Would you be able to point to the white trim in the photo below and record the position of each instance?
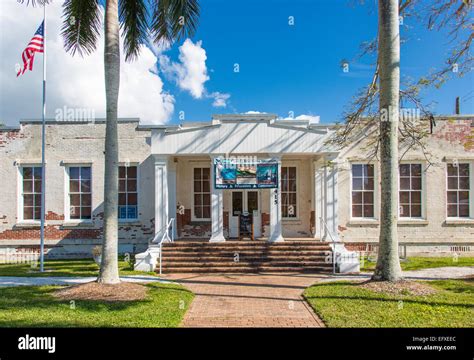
(298, 187)
(376, 192)
(454, 219)
(67, 214)
(423, 191)
(201, 166)
(244, 199)
(20, 201)
(136, 219)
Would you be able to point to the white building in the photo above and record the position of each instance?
(167, 172)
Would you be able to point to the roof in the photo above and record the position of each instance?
(78, 121)
(218, 119)
(215, 121)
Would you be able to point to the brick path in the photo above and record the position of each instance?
(248, 300)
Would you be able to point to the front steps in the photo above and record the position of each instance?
(246, 257)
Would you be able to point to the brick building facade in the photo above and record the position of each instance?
(167, 173)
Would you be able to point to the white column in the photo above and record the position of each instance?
(319, 203)
(331, 216)
(217, 208)
(172, 194)
(275, 208)
(161, 195)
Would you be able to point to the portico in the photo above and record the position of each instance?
(185, 188)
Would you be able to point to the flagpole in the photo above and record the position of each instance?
(43, 131)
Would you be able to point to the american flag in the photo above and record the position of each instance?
(35, 45)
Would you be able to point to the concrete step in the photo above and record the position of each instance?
(233, 264)
(254, 256)
(248, 269)
(245, 243)
(245, 248)
(192, 255)
(250, 257)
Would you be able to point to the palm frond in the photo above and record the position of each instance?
(133, 16)
(174, 19)
(185, 15)
(81, 25)
(160, 24)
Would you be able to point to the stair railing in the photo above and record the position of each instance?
(164, 238)
(323, 223)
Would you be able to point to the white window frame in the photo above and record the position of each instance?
(20, 214)
(67, 203)
(203, 166)
(376, 190)
(471, 190)
(138, 194)
(244, 199)
(423, 191)
(297, 217)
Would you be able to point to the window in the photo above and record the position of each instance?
(288, 192)
(458, 192)
(202, 193)
(79, 193)
(362, 190)
(31, 192)
(410, 190)
(128, 198)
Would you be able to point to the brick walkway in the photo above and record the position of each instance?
(248, 300)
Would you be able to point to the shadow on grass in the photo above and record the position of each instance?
(371, 296)
(65, 268)
(34, 297)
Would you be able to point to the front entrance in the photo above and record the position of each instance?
(244, 217)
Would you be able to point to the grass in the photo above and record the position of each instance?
(28, 306)
(344, 304)
(417, 263)
(83, 267)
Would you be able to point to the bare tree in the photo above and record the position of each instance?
(388, 263)
(391, 140)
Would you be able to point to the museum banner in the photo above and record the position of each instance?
(245, 173)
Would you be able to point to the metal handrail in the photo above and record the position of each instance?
(166, 236)
(323, 222)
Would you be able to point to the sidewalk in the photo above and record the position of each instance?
(248, 300)
(6, 281)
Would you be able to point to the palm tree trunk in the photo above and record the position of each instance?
(109, 266)
(388, 262)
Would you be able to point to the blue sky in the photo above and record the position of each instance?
(283, 68)
(297, 68)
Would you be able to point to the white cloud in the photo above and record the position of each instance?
(190, 73)
(220, 99)
(254, 112)
(312, 118)
(73, 82)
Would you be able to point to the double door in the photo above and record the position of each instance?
(244, 203)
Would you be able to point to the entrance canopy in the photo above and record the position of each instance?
(265, 140)
(241, 134)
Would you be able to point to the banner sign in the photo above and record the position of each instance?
(244, 174)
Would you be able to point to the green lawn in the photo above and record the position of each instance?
(84, 267)
(344, 304)
(417, 263)
(28, 306)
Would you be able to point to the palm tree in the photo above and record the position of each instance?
(164, 21)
